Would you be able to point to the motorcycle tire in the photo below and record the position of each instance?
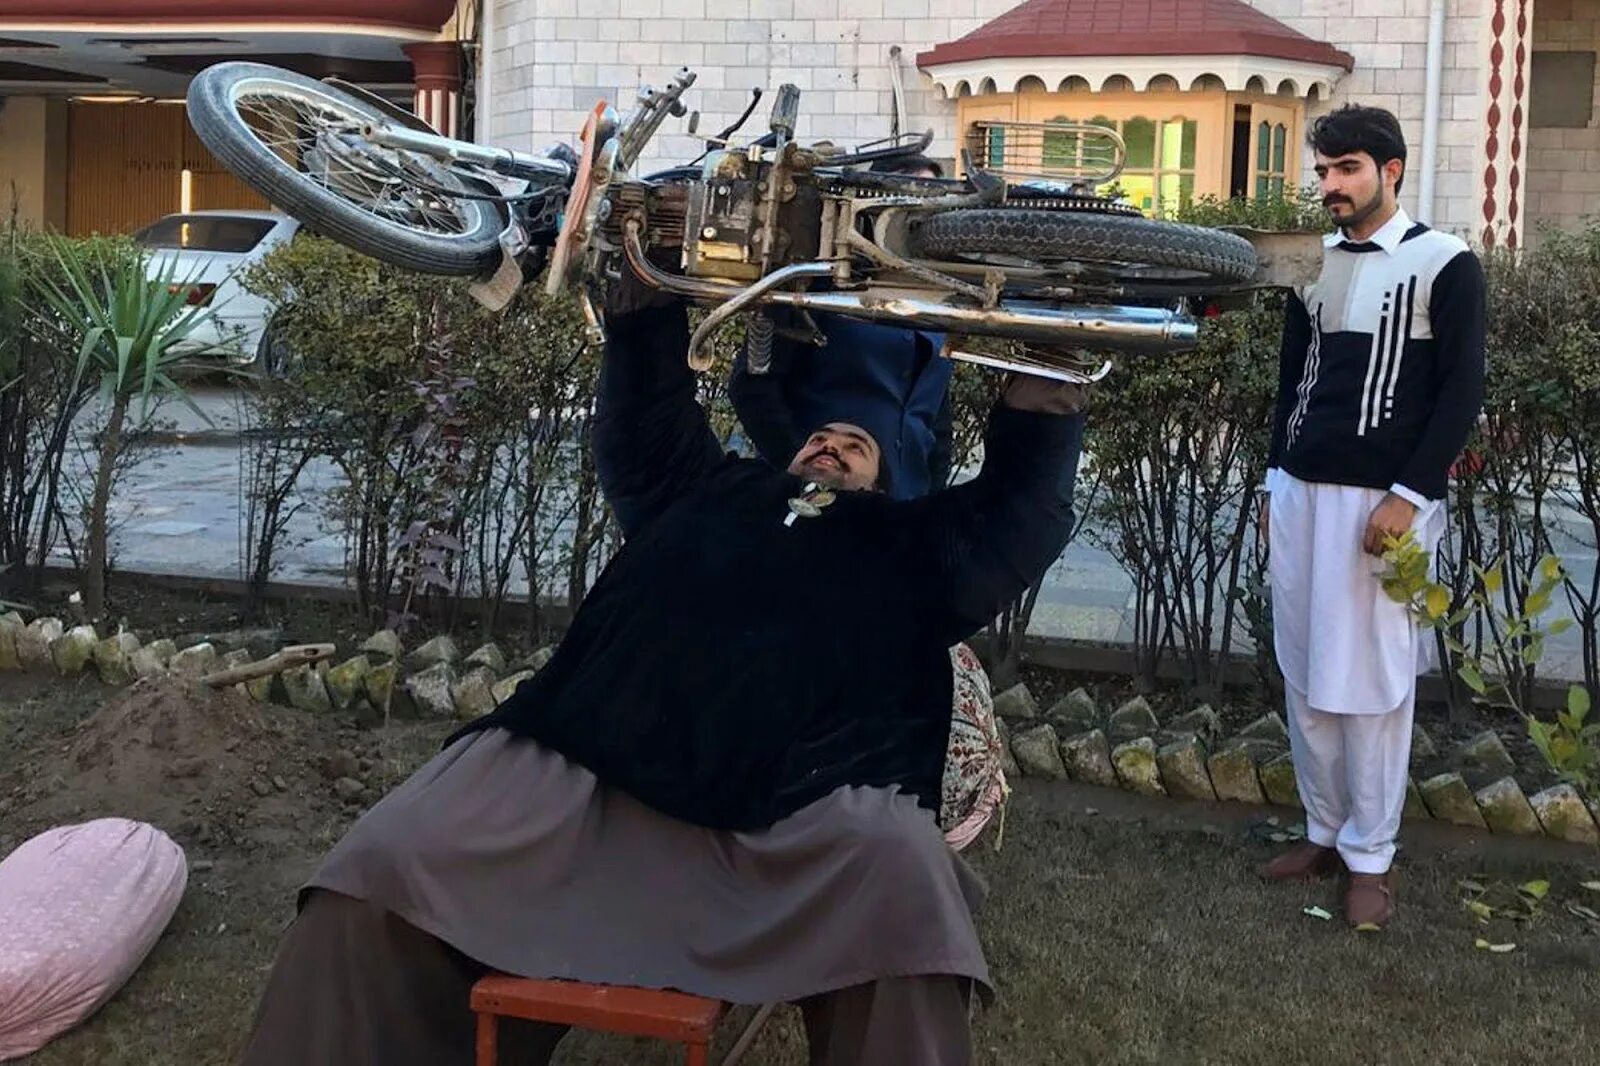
(1085, 237)
(214, 114)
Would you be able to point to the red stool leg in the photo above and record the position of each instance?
(488, 1039)
(698, 1055)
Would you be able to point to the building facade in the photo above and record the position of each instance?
(1497, 97)
(93, 136)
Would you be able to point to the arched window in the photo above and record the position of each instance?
(1272, 159)
(1181, 144)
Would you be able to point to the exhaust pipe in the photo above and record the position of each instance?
(1151, 330)
(1123, 329)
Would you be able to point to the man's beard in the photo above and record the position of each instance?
(1357, 214)
(829, 477)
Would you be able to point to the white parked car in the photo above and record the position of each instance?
(211, 248)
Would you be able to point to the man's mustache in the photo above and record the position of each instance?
(1329, 201)
(819, 453)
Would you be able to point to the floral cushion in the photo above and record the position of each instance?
(974, 785)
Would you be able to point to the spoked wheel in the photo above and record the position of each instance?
(1089, 245)
(299, 143)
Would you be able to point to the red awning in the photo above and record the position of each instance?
(1070, 28)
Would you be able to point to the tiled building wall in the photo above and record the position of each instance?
(1389, 40)
(553, 58)
(1564, 164)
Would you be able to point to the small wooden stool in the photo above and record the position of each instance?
(675, 1016)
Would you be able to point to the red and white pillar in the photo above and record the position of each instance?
(1502, 157)
(436, 69)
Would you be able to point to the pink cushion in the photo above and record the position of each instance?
(80, 908)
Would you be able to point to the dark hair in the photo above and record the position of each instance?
(905, 164)
(1354, 128)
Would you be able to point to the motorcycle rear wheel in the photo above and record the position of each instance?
(1123, 243)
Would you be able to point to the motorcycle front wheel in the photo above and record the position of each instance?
(299, 143)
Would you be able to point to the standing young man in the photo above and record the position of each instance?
(1380, 380)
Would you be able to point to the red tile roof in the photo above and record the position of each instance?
(1057, 28)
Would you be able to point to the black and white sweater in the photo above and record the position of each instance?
(1380, 378)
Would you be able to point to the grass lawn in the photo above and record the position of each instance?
(1133, 934)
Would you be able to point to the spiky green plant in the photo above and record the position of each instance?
(127, 326)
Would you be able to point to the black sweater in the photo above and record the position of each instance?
(728, 669)
(1381, 372)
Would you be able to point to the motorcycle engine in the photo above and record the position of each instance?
(725, 235)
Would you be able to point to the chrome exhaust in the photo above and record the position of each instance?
(1103, 328)
(1148, 330)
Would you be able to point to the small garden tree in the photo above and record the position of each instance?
(1181, 443)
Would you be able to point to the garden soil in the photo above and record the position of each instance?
(217, 771)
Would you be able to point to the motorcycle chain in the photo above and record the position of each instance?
(1093, 204)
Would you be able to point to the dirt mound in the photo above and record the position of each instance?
(212, 768)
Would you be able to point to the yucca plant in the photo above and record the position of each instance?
(10, 309)
(126, 326)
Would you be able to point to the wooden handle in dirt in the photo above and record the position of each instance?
(287, 658)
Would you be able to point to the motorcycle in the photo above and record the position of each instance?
(1022, 247)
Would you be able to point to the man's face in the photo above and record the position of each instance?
(1354, 187)
(839, 456)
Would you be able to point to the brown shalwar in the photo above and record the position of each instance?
(500, 854)
(355, 985)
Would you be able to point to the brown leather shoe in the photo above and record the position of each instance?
(1303, 862)
(1369, 902)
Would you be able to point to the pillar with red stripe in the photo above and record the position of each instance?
(436, 68)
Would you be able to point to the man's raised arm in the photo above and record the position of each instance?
(651, 439)
(991, 538)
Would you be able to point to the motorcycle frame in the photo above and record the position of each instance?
(953, 298)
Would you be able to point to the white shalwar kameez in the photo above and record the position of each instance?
(1350, 656)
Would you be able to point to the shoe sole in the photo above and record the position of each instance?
(1306, 878)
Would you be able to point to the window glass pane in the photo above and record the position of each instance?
(1171, 145)
(1280, 137)
(1060, 146)
(1169, 194)
(1140, 135)
(1191, 133)
(1263, 145)
(997, 146)
(1176, 191)
(1277, 187)
(1261, 186)
(1140, 189)
(206, 233)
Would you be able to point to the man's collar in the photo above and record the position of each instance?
(1388, 236)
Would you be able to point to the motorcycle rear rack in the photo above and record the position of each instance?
(1077, 153)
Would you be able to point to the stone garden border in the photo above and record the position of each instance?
(1186, 758)
(1189, 758)
(433, 681)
